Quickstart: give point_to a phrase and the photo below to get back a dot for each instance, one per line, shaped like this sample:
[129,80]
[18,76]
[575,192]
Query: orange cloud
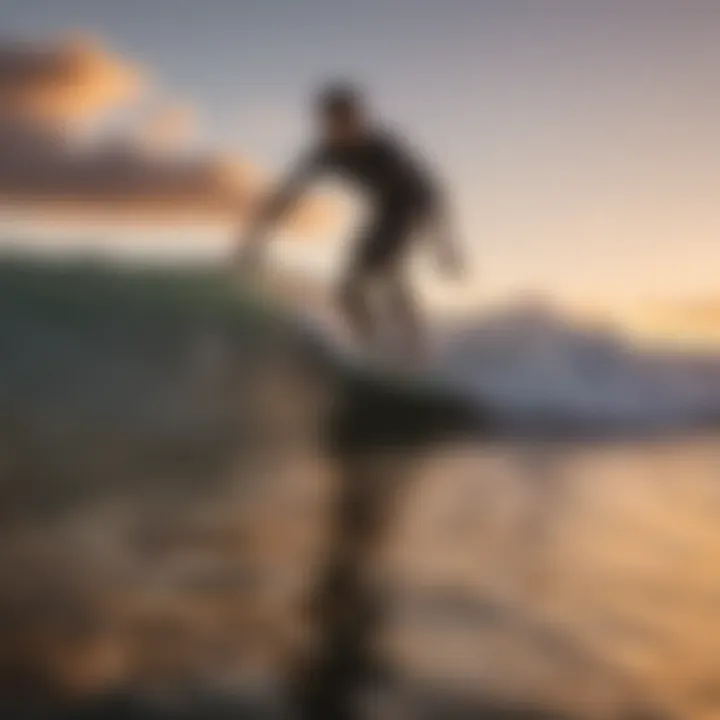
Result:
[73,80]
[47,91]
[168,129]
[39,170]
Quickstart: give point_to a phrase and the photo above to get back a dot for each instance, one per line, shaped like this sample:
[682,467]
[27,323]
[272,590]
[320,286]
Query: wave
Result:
[531,365]
[85,340]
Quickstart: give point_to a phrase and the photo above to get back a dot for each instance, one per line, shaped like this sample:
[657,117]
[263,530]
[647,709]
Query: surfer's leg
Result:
[361,279]
[354,299]
[400,306]
[377,265]
[405,317]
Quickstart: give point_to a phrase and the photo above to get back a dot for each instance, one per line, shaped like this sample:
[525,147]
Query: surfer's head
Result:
[341,112]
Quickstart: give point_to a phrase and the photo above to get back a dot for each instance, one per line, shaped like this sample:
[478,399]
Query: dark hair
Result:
[339,99]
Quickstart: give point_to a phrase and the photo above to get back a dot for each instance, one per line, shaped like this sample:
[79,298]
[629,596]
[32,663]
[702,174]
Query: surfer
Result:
[405,203]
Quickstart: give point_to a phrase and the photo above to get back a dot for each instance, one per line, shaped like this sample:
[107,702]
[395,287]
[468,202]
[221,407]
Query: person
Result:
[405,202]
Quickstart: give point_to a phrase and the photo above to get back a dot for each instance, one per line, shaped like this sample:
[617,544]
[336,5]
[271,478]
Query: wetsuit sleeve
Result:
[292,187]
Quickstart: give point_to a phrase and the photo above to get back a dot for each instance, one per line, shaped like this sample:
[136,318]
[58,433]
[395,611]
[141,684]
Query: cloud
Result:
[48,166]
[68,81]
[168,129]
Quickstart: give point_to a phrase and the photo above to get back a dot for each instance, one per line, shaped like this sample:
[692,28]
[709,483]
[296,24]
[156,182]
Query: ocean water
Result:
[173,525]
[581,576]
[578,578]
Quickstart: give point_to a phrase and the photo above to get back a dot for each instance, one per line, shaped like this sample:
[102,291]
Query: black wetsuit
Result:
[401,194]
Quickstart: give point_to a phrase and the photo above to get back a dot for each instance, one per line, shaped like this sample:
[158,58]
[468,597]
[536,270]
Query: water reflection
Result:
[580,578]
[585,576]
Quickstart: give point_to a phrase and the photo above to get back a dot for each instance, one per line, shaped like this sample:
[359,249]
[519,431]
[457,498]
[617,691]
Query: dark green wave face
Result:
[156,348]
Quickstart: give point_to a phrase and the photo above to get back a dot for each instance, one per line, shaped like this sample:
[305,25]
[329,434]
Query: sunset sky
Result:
[580,138]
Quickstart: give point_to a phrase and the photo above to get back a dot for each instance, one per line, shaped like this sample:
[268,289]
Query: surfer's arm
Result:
[280,202]
[290,190]
[444,236]
[441,225]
